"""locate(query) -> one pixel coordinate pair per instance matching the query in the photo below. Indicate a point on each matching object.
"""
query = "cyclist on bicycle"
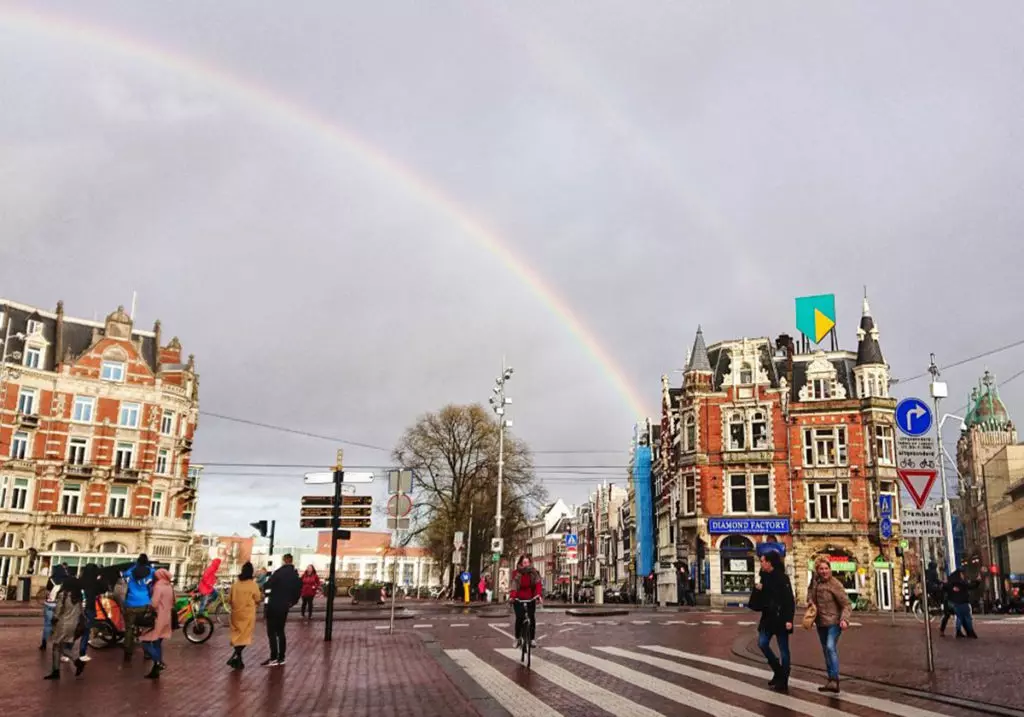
(524, 593)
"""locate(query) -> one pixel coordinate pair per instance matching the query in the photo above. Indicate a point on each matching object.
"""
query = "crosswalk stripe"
(509, 695)
(712, 622)
(421, 627)
(875, 703)
(605, 699)
(460, 624)
(726, 683)
(658, 686)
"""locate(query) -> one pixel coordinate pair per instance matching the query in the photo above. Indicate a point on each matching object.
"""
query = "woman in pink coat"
(152, 639)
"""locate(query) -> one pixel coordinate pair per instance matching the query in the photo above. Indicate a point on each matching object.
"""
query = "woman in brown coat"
(833, 614)
(245, 597)
(153, 639)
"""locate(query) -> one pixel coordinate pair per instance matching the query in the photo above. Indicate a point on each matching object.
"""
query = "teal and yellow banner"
(816, 316)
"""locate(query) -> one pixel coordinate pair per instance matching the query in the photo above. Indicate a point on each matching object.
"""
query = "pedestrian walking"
(245, 596)
(960, 597)
(829, 610)
(310, 586)
(773, 597)
(139, 581)
(152, 639)
(285, 587)
(93, 585)
(57, 576)
(67, 626)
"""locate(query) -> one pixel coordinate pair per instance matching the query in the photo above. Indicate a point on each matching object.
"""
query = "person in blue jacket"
(139, 578)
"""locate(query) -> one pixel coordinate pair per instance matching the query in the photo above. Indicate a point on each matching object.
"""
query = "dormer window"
(821, 388)
(737, 432)
(746, 374)
(33, 357)
(112, 371)
(34, 327)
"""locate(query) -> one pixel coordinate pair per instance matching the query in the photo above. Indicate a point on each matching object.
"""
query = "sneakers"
(269, 663)
(519, 643)
(85, 658)
(533, 644)
(280, 663)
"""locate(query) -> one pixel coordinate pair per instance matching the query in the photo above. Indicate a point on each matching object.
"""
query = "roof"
(842, 361)
(699, 360)
(868, 349)
(363, 543)
(987, 410)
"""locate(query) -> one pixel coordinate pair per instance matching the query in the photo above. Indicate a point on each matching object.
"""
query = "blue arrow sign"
(885, 527)
(466, 577)
(913, 417)
(572, 540)
(885, 505)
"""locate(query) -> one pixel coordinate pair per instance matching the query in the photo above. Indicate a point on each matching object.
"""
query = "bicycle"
(526, 634)
(196, 625)
(219, 608)
(935, 609)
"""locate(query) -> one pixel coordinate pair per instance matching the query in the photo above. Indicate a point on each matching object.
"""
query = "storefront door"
(738, 559)
(883, 587)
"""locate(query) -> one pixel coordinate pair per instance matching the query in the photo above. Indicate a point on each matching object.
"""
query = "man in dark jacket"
(960, 596)
(285, 588)
(773, 597)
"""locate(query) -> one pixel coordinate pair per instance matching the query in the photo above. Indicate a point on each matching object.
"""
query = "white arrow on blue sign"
(572, 540)
(913, 417)
(466, 577)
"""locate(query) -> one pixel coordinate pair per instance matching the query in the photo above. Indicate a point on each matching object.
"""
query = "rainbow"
(282, 108)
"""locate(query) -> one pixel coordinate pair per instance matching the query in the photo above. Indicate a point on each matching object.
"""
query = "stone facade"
(96, 428)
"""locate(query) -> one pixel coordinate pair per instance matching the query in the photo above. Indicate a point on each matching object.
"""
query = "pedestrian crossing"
(657, 681)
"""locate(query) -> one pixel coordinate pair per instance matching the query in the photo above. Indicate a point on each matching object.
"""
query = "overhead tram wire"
(295, 431)
(961, 362)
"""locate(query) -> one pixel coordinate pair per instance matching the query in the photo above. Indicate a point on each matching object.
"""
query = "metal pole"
(469, 546)
(947, 518)
(270, 551)
(394, 558)
(501, 471)
(924, 604)
(339, 478)
(892, 591)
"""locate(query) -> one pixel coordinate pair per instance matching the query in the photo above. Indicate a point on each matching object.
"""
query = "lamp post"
(498, 402)
(939, 390)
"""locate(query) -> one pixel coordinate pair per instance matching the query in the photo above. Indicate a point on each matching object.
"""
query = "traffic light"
(261, 526)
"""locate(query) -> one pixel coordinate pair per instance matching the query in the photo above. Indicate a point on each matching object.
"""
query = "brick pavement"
(361, 673)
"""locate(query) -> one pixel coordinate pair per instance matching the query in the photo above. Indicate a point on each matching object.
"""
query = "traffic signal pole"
(339, 478)
(270, 552)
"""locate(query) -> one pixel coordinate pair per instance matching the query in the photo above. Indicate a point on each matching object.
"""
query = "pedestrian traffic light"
(261, 526)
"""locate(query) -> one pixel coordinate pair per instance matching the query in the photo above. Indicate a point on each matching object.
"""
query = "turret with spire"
(698, 373)
(871, 372)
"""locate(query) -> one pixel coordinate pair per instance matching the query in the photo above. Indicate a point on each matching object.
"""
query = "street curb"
(596, 613)
(485, 705)
(743, 647)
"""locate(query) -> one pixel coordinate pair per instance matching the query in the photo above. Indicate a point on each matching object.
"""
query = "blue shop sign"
(763, 548)
(753, 526)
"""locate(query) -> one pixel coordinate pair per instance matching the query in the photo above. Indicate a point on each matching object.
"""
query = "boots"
(776, 673)
(55, 675)
(79, 667)
(154, 673)
(830, 686)
(782, 680)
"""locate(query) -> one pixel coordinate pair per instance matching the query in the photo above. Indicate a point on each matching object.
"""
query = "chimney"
(156, 345)
(58, 355)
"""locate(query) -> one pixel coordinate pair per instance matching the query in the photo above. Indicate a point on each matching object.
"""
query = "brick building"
(762, 444)
(368, 555)
(96, 429)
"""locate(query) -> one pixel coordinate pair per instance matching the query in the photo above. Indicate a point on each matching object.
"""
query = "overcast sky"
(300, 194)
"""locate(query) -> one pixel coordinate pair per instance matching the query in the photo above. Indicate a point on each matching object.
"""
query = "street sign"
(503, 580)
(916, 451)
(459, 539)
(466, 577)
(885, 505)
(398, 523)
(885, 528)
(346, 511)
(457, 557)
(571, 555)
(920, 523)
(399, 481)
(342, 522)
(328, 478)
(572, 540)
(345, 499)
(913, 417)
(495, 557)
(904, 544)
(497, 545)
(918, 483)
(399, 505)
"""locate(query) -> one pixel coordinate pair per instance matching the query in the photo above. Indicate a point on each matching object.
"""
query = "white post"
(938, 391)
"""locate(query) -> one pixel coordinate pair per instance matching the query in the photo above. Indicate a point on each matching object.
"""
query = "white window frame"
(34, 356)
(128, 415)
(120, 449)
(821, 389)
(750, 492)
(71, 499)
(27, 401)
(5, 482)
(24, 491)
(689, 433)
(78, 451)
(736, 419)
(118, 499)
(815, 446)
(755, 488)
(113, 371)
(21, 440)
(83, 409)
(156, 504)
(163, 461)
(689, 503)
(759, 417)
(839, 509)
(167, 423)
(885, 446)
(746, 373)
(34, 327)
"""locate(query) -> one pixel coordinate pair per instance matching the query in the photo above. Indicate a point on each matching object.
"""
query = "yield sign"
(918, 483)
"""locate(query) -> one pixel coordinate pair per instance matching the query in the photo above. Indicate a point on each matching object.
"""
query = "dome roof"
(987, 410)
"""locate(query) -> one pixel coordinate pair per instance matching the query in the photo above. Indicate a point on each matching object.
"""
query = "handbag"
(756, 600)
(175, 623)
(810, 615)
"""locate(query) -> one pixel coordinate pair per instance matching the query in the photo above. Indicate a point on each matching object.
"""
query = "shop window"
(737, 555)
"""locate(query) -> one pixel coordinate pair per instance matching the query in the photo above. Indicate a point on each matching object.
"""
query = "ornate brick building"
(96, 429)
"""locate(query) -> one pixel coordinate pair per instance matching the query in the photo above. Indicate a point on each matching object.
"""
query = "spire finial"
(867, 307)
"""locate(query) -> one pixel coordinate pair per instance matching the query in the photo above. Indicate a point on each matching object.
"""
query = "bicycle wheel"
(102, 635)
(198, 629)
(222, 615)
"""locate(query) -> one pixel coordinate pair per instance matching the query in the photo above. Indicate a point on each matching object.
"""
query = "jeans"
(205, 600)
(522, 609)
(764, 641)
(829, 637)
(275, 632)
(48, 611)
(307, 602)
(90, 618)
(155, 650)
(964, 618)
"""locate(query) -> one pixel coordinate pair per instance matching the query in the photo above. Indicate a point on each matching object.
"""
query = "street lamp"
(498, 402)
(939, 390)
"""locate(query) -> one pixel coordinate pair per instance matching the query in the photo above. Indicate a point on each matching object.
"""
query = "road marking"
(711, 622)
(572, 622)
(421, 627)
(565, 629)
(855, 624)
(604, 699)
(607, 622)
(746, 622)
(658, 686)
(460, 624)
(641, 622)
(875, 703)
(506, 633)
(728, 683)
(678, 622)
(382, 627)
(509, 695)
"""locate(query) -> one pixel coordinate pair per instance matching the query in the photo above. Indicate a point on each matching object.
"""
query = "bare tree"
(454, 456)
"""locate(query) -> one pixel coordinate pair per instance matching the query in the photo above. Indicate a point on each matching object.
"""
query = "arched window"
(746, 374)
(690, 439)
(737, 432)
(759, 430)
(113, 547)
(64, 546)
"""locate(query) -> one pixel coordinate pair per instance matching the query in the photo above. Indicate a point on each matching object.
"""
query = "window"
(737, 432)
(884, 453)
(70, 498)
(407, 573)
(762, 493)
(737, 494)
(112, 371)
(689, 495)
(19, 496)
(78, 451)
(4, 482)
(821, 388)
(114, 547)
(825, 446)
(162, 461)
(117, 503)
(124, 456)
(156, 504)
(19, 446)
(63, 546)
(9, 541)
(828, 502)
(129, 415)
(27, 401)
(34, 327)
(82, 410)
(746, 374)
(33, 357)
(167, 423)
(690, 423)
(759, 430)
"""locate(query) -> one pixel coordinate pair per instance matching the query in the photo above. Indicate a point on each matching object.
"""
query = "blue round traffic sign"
(913, 417)
(885, 528)
(466, 577)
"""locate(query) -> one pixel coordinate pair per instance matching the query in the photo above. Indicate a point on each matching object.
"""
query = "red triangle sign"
(918, 483)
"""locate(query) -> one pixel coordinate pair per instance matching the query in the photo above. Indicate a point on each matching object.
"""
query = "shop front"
(844, 569)
(734, 558)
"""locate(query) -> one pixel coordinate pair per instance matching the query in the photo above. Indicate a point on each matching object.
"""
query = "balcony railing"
(77, 470)
(185, 445)
(96, 521)
(179, 524)
(28, 420)
(126, 474)
(20, 464)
